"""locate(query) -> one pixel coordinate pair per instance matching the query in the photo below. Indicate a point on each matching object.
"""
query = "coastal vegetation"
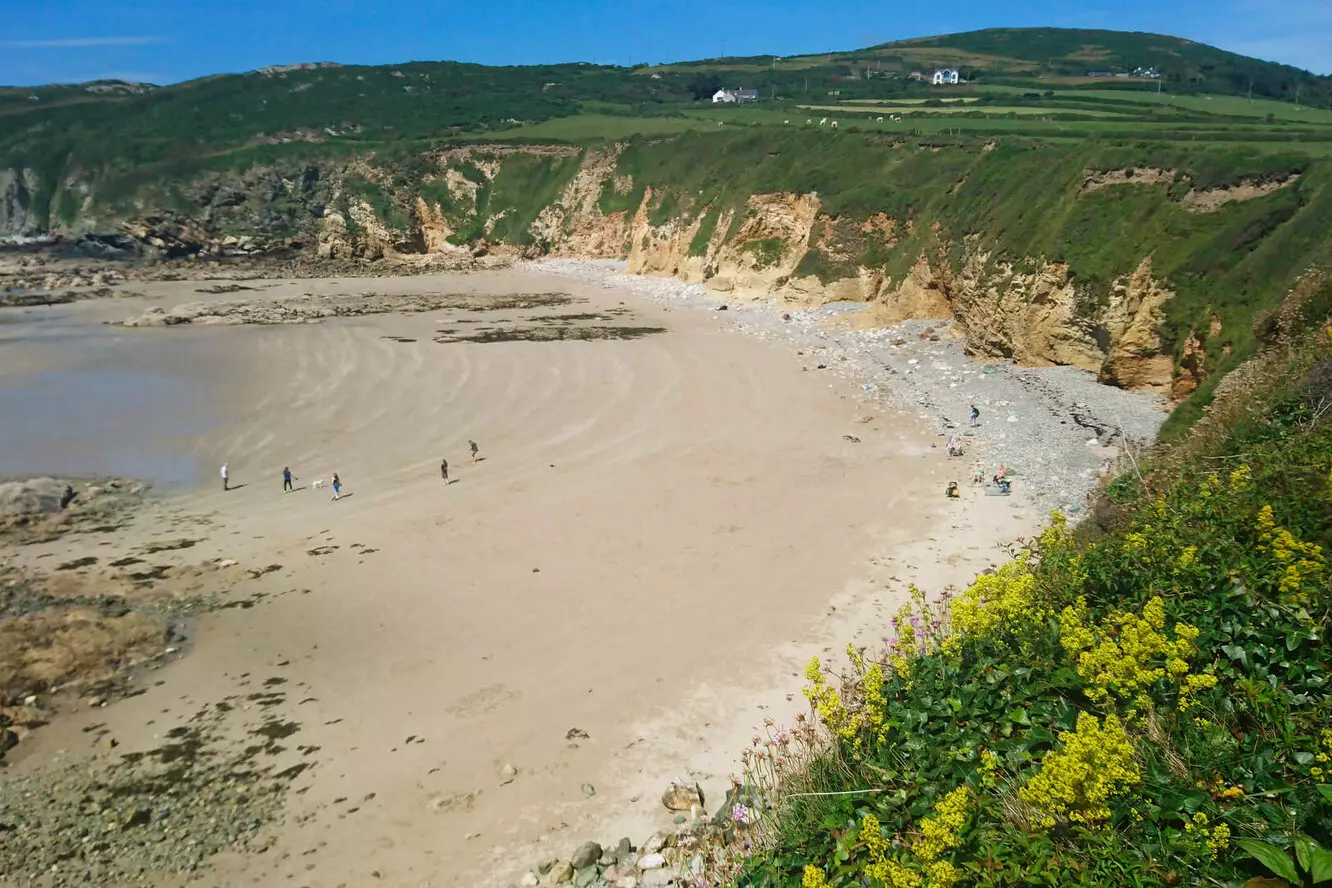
(1142, 700)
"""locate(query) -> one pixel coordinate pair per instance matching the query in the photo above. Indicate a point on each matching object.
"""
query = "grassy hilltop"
(1024, 82)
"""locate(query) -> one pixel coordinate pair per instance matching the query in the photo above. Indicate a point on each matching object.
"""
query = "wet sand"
(661, 532)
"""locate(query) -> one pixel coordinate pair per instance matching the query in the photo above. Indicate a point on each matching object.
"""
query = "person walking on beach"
(286, 479)
(225, 477)
(444, 471)
(337, 486)
(472, 444)
(975, 414)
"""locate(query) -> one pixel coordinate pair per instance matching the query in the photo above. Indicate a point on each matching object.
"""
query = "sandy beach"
(471, 677)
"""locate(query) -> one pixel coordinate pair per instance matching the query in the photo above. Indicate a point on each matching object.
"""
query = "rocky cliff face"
(16, 191)
(558, 200)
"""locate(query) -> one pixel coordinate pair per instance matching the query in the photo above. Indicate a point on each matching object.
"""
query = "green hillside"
(1062, 52)
(1028, 82)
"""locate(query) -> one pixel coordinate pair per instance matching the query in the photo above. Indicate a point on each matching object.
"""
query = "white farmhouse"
(732, 96)
(946, 77)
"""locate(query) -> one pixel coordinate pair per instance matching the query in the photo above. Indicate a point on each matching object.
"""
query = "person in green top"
(472, 444)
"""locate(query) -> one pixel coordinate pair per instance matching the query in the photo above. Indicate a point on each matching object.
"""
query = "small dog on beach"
(317, 483)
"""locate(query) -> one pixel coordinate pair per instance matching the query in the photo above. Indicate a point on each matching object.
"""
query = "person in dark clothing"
(444, 471)
(68, 496)
(286, 479)
(975, 414)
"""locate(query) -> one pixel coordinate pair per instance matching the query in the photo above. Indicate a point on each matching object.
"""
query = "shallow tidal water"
(81, 399)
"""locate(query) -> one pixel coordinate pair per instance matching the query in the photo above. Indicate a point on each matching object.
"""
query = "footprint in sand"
(483, 701)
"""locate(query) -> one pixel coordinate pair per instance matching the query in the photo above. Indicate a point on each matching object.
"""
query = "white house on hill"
(731, 96)
(946, 77)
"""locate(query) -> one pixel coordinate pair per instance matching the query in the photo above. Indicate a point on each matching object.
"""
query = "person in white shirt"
(224, 477)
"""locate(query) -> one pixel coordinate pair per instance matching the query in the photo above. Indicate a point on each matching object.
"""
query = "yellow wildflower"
(1094, 764)
(1240, 478)
(1122, 656)
(1001, 603)
(814, 878)
(940, 832)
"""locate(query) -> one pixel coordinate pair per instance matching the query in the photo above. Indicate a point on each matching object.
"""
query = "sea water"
(81, 399)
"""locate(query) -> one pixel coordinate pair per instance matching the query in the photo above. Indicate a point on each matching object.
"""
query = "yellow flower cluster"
(824, 700)
(888, 871)
(1214, 839)
(814, 878)
(1000, 603)
(1240, 478)
(1302, 564)
(989, 768)
(863, 717)
(1094, 765)
(1123, 656)
(941, 831)
(1324, 756)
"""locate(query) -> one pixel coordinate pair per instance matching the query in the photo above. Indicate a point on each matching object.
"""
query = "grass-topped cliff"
(1157, 264)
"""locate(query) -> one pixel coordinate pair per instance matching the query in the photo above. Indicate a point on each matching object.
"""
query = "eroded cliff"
(1148, 273)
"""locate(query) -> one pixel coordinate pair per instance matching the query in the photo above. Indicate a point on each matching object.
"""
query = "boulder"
(655, 860)
(560, 873)
(656, 842)
(529, 880)
(587, 855)
(27, 500)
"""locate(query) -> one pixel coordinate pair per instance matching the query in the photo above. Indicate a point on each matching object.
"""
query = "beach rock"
(587, 876)
(655, 842)
(587, 854)
(507, 774)
(655, 860)
(624, 850)
(561, 873)
(682, 797)
(589, 790)
(529, 880)
(25, 500)
(626, 882)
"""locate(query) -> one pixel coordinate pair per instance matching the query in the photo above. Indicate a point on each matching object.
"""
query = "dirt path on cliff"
(662, 529)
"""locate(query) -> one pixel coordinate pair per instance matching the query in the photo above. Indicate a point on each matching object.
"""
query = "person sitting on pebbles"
(952, 492)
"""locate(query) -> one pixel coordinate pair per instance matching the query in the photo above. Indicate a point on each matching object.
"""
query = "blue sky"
(164, 41)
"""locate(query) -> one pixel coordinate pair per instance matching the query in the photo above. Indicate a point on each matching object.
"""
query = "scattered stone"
(589, 790)
(587, 877)
(587, 854)
(576, 734)
(560, 873)
(682, 797)
(655, 843)
(507, 774)
(530, 880)
(852, 438)
(655, 860)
